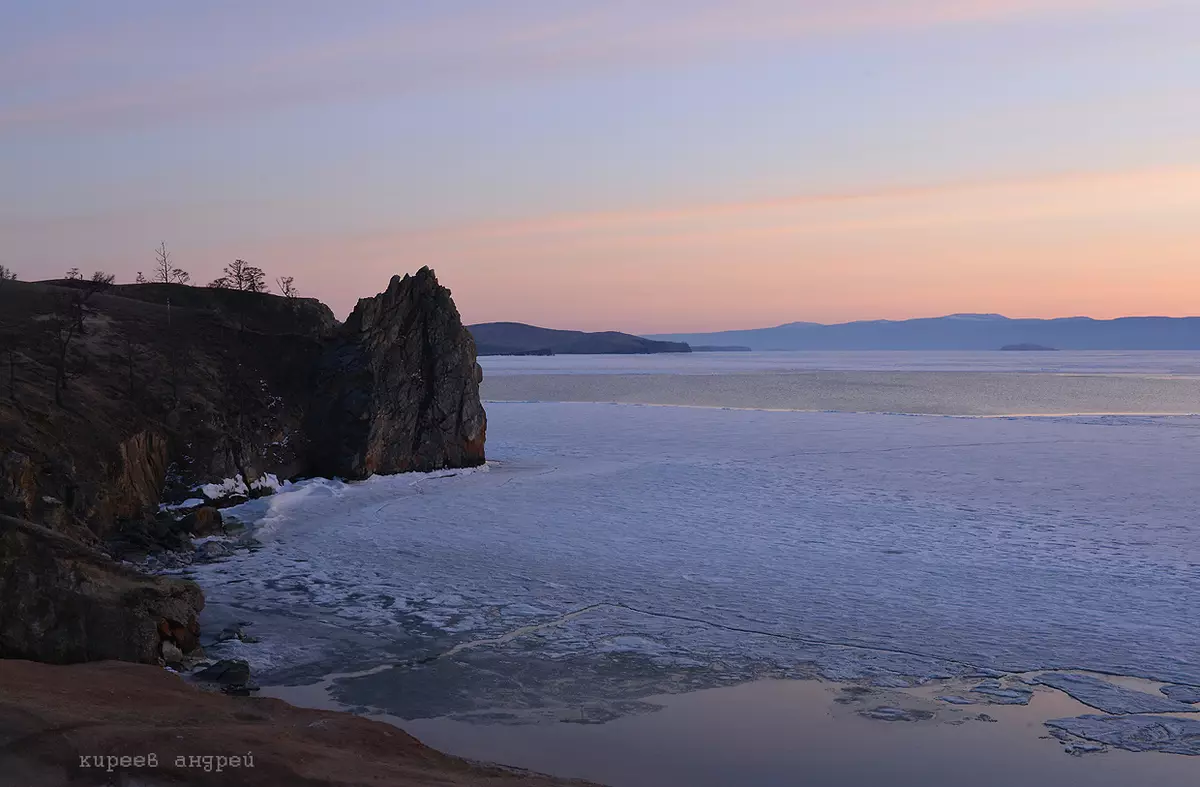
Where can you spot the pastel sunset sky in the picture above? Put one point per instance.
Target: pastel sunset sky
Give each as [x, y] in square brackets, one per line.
[675, 165]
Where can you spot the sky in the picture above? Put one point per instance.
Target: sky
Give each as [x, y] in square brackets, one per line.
[681, 165]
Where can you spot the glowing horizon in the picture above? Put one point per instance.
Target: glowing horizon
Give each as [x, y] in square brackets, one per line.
[693, 166]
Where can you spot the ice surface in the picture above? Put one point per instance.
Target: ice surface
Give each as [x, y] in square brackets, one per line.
[1137, 733]
[1179, 363]
[1189, 694]
[1109, 697]
[611, 552]
[995, 692]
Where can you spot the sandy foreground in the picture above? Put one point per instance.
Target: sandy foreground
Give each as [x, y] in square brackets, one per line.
[64, 725]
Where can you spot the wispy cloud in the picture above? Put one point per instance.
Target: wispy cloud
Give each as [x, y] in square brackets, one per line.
[160, 71]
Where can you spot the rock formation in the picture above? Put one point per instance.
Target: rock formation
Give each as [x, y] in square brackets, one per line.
[400, 387]
[63, 602]
[167, 388]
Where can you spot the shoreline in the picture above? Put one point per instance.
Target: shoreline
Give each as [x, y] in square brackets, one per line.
[862, 714]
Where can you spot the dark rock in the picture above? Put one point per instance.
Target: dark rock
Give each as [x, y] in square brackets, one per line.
[229, 672]
[162, 399]
[204, 521]
[399, 390]
[213, 550]
[231, 676]
[62, 602]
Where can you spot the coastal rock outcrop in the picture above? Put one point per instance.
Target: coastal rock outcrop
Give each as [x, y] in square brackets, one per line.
[399, 387]
[63, 602]
[165, 393]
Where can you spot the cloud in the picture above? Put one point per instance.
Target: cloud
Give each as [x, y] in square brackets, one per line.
[189, 70]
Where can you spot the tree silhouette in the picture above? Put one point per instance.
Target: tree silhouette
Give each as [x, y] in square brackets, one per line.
[164, 270]
[241, 275]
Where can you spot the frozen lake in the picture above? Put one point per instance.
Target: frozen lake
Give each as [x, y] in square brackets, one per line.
[946, 383]
[614, 552]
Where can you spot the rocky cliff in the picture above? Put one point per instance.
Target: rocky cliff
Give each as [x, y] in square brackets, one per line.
[399, 387]
[114, 403]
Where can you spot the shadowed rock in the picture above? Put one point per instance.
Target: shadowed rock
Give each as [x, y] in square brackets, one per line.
[399, 390]
[61, 601]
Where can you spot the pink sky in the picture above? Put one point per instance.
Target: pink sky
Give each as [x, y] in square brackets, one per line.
[683, 166]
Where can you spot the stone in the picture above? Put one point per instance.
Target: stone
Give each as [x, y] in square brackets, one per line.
[399, 390]
[954, 699]
[231, 676]
[62, 601]
[213, 550]
[204, 521]
[171, 653]
[144, 459]
[228, 672]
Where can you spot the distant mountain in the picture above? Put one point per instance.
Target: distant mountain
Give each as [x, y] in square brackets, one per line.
[964, 332]
[515, 338]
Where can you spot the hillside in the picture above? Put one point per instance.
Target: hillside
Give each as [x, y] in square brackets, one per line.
[964, 332]
[514, 338]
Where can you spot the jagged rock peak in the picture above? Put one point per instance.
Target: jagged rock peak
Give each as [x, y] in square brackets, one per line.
[400, 388]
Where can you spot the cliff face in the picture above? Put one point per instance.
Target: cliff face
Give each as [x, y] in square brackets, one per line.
[399, 387]
[166, 388]
[62, 602]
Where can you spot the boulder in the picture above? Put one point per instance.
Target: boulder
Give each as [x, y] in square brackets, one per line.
[204, 521]
[398, 389]
[64, 602]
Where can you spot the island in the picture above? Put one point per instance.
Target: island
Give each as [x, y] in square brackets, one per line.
[515, 338]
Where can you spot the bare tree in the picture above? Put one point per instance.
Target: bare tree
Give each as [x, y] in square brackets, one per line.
[73, 274]
[64, 325]
[164, 270]
[7, 274]
[140, 279]
[287, 287]
[241, 275]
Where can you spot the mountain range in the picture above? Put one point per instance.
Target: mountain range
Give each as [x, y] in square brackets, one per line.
[963, 332]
